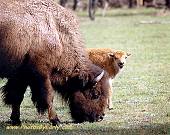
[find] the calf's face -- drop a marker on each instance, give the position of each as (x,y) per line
(118,58)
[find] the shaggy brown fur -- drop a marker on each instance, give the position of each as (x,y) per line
(40,46)
(111,61)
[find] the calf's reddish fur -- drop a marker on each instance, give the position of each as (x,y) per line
(111,61)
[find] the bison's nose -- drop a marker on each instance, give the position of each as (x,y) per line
(99,117)
(102,116)
(96,117)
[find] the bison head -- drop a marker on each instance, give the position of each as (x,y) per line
(89,104)
(87,97)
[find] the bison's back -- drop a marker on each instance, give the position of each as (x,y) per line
(23,31)
(13,47)
(14,37)
(39,28)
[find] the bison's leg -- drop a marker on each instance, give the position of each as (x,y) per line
(15,115)
(75,4)
(110,104)
(42,92)
(50,96)
(51,113)
(106,5)
(13,93)
(63,2)
(44,98)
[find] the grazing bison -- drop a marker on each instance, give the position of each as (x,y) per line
(64,2)
(40,47)
(111,61)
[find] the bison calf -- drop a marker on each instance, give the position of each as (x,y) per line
(41,47)
(111,61)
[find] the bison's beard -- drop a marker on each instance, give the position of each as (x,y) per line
(87,109)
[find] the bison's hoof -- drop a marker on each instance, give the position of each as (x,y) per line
(15,122)
(55,122)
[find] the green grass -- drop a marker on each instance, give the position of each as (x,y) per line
(141,92)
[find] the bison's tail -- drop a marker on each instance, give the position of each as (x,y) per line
(39,97)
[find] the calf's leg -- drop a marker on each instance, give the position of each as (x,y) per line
(110,104)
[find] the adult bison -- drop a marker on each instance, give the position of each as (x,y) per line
(40,47)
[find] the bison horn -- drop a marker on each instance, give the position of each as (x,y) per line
(99,77)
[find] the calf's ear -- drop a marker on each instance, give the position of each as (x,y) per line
(111,55)
(128,54)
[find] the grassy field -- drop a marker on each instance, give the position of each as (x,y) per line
(141,92)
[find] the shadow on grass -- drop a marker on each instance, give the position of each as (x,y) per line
(125,13)
(128,14)
(70,128)
(32,122)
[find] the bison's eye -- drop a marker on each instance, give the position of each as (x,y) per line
(95,94)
